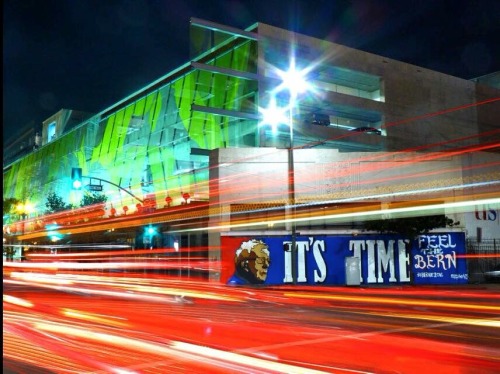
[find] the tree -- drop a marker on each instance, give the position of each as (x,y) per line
(93,198)
(410,227)
(9,204)
(55,203)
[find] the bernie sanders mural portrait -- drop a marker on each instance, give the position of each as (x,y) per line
(251,262)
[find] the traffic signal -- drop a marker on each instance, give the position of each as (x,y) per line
(76,178)
(151,230)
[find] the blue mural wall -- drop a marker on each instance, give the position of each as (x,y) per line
(383,259)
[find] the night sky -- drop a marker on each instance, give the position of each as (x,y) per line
(89,54)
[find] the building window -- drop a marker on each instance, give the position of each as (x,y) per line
(51,132)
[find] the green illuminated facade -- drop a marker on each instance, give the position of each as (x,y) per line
(153,141)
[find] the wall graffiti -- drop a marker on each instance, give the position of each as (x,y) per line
(384,259)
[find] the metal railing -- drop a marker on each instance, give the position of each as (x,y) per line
(482,256)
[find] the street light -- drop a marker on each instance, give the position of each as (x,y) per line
(76,178)
(151,232)
(24,210)
(294,81)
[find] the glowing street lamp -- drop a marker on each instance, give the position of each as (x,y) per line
(76,178)
(151,232)
(24,210)
(294,81)
(273,115)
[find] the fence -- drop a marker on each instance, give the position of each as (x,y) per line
(482,256)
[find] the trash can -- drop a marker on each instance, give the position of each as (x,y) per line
(352,271)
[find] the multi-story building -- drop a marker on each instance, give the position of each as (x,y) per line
(195,154)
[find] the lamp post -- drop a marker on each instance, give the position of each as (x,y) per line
(291,200)
(24,209)
(294,82)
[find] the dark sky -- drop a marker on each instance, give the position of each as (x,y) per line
(89,54)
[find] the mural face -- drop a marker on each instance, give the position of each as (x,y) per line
(251,262)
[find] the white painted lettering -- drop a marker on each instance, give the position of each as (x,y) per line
(452,259)
(430,262)
(372,267)
(302,248)
(434,244)
(404,261)
(436,261)
(385,260)
(419,262)
(319,274)
(356,246)
(287,253)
